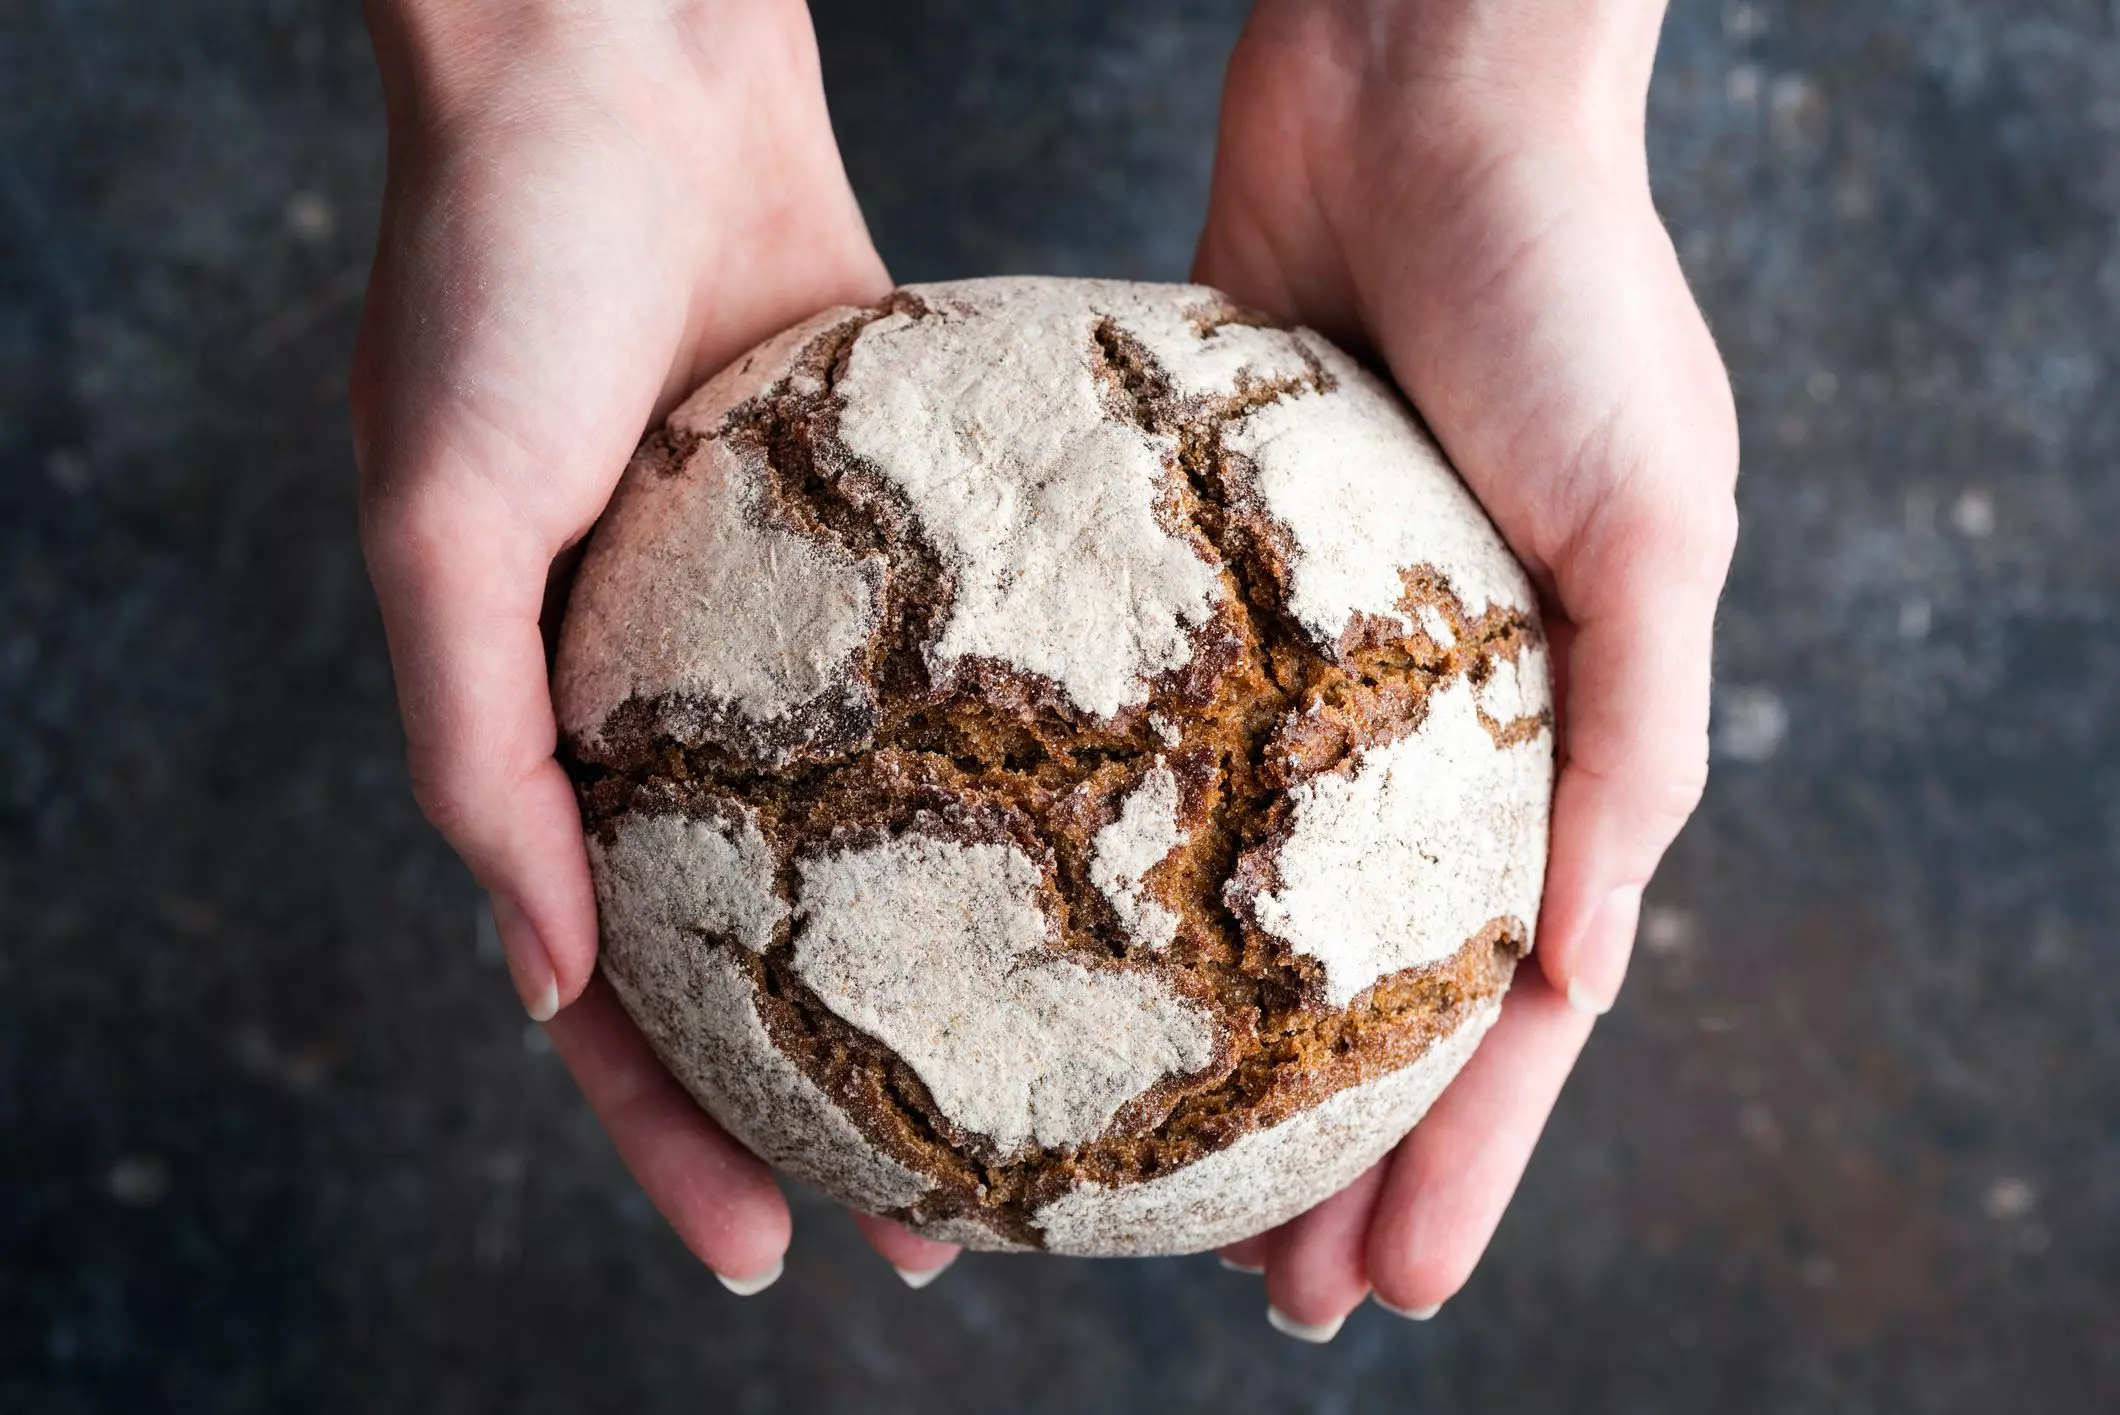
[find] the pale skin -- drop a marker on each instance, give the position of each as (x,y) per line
(593,205)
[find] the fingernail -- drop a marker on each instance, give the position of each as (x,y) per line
(1411,1314)
(1236,1267)
(528,963)
(1601,959)
(916,1278)
(752,1286)
(1316,1333)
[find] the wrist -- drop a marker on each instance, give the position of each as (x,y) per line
(436,55)
(1569,70)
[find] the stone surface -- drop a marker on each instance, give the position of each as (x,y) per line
(1846,1144)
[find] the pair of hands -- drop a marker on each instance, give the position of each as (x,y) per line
(594,206)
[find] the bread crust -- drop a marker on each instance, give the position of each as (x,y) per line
(1123,802)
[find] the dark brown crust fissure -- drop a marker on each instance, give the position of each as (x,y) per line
(990,747)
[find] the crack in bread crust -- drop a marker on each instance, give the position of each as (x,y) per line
(990,753)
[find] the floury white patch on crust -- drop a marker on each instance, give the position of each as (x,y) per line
(673,873)
(1428,840)
(940,951)
(1365,494)
(1202,354)
(987,414)
(1127,849)
(699,1011)
(687,588)
(1268,1176)
(1519,687)
(700,1014)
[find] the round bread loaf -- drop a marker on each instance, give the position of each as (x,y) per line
(1066,763)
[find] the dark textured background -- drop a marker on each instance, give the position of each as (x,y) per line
(273,1135)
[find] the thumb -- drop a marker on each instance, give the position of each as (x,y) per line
(1637,587)
(461,581)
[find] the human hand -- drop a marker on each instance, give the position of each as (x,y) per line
(1462,189)
(590,208)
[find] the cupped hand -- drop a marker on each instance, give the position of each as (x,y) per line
(590,207)
(1462,189)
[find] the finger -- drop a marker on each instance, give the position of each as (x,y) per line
(461,581)
(1247,1255)
(1315,1271)
(719,1197)
(917,1261)
(1639,585)
(1450,1180)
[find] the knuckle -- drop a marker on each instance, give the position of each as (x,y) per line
(1674,791)
(446,796)
(1662,525)
(389,513)
(1686,526)
(1428,1280)
(1715,535)
(362,403)
(405,535)
(384,522)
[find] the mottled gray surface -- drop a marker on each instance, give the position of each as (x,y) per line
(273,1135)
